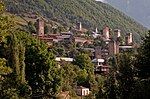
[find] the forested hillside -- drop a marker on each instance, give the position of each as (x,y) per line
(67,12)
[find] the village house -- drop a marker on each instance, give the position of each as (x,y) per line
(99,62)
(58,59)
(66,33)
(103,69)
(99,67)
(82,91)
(100,53)
(66,38)
(79,40)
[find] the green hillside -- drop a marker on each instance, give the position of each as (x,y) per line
(67,12)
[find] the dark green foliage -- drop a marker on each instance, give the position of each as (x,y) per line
(31,27)
(112,91)
(69,75)
(84,62)
(32,72)
(142,65)
(46,29)
(125,75)
(141,90)
(100,42)
(22,63)
(4,69)
(15,56)
(143,59)
(89,12)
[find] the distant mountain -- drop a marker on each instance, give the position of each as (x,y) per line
(92,14)
(138,9)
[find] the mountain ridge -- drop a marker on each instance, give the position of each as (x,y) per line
(138,9)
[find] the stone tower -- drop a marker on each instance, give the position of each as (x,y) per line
(40,29)
(106,33)
(80,26)
(96,30)
(113,48)
(117,33)
(129,38)
(98,52)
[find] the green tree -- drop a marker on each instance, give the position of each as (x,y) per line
(142,87)
(31,27)
(84,62)
(46,29)
(142,62)
(111,84)
(82,77)
(15,56)
(40,69)
(126,74)
(101,87)
(69,75)
(22,63)
(121,80)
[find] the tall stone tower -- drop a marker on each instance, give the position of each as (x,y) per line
(98,52)
(117,33)
(106,33)
(40,29)
(96,30)
(80,26)
(113,48)
(129,38)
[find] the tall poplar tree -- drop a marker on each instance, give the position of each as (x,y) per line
(22,63)
(15,56)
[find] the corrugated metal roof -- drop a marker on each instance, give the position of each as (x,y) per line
(64,58)
(98,60)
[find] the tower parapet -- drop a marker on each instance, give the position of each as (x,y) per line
(106,33)
(129,39)
(117,33)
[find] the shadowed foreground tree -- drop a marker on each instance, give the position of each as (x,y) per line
(120,81)
(143,59)
(142,64)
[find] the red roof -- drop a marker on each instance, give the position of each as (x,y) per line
(81,87)
(46,38)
